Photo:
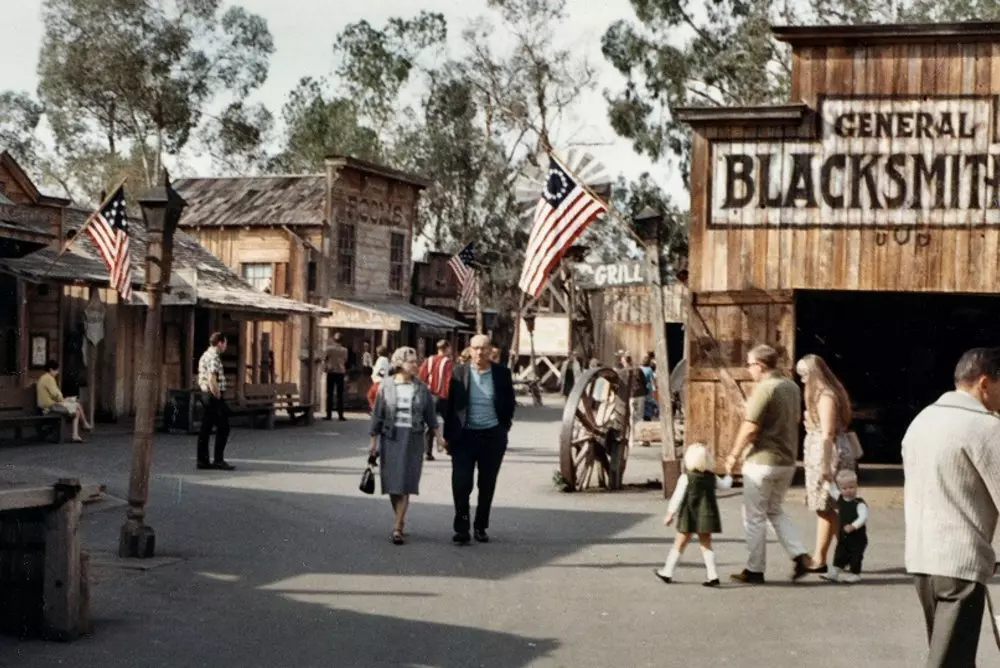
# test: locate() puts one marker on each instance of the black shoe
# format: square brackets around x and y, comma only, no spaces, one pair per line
[747,577]
[480,536]
[205,465]
[462,538]
[328,418]
[802,564]
[430,457]
[223,466]
[819,569]
[342,419]
[711,583]
[664,578]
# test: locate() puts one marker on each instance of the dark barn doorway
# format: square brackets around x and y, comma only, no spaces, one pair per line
[895,352]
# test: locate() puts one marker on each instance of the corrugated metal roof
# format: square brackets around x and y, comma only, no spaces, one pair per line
[217,284]
[406,312]
[265,200]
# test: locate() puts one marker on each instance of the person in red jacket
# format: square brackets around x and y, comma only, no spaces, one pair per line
[436,372]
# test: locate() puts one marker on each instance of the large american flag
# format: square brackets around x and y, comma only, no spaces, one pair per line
[562,214]
[463,264]
[108,228]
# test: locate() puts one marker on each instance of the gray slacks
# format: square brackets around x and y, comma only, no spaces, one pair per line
[953,611]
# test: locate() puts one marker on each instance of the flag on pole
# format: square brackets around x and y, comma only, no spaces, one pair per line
[108,229]
[564,211]
[463,264]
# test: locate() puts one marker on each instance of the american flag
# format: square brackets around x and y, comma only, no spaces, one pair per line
[108,229]
[468,282]
[562,214]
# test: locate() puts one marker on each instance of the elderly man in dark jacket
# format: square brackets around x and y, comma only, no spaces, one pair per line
[480,412]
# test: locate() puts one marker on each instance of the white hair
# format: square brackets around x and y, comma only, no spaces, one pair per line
[480,341]
[403,355]
[846,475]
[697,457]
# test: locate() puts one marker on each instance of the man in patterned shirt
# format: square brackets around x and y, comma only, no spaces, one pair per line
[212,383]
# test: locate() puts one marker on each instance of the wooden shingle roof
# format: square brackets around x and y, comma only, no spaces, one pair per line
[253,201]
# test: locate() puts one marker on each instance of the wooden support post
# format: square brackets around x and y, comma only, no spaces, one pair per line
[92,362]
[309,389]
[651,223]
[241,360]
[62,591]
[189,353]
[255,352]
[22,333]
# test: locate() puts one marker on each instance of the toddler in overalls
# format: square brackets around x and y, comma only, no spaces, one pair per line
[852,539]
[696,509]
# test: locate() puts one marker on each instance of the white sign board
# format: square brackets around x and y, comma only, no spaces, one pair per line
[345,316]
[551,336]
[930,162]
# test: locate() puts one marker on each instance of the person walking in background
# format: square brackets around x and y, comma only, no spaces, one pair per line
[951,468]
[569,373]
[367,360]
[212,383]
[382,365]
[481,406]
[697,511]
[335,364]
[635,384]
[403,414]
[770,432]
[827,450]
[50,399]
[650,408]
[436,373]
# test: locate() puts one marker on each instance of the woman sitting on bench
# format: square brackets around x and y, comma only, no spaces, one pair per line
[51,400]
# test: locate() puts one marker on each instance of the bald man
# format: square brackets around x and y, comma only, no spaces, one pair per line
[480,412]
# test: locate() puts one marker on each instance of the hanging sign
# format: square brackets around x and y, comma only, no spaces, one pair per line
[590,276]
[923,161]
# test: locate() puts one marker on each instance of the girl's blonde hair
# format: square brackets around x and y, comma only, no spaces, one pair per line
[697,457]
[846,475]
[820,379]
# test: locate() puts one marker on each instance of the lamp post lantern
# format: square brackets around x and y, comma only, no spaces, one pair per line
[649,224]
[161,211]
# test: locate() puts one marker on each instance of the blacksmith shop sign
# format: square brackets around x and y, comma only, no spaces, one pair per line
[597,276]
[900,161]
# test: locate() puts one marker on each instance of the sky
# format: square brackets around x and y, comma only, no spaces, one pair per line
[304,31]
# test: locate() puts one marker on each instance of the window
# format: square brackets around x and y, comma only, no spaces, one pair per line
[397,257]
[346,246]
[259,274]
[311,277]
[442,276]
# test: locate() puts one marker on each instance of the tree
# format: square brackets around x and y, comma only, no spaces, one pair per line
[19,118]
[137,78]
[731,57]
[317,125]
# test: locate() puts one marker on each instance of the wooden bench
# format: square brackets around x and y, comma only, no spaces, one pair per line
[258,402]
[287,398]
[19,409]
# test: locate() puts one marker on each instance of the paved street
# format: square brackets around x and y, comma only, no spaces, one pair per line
[285,563]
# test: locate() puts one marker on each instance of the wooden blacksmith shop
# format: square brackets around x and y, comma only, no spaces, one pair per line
[860,222]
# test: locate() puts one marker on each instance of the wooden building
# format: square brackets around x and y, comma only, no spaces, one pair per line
[64,295]
[435,288]
[860,222]
[341,239]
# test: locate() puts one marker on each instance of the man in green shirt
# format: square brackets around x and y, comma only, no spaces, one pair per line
[770,432]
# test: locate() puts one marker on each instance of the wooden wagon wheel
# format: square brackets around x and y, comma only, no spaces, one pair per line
[593,443]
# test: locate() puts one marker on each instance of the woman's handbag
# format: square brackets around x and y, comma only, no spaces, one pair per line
[856,448]
[368,478]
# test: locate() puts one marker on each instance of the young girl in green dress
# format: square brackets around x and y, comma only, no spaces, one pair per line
[697,512]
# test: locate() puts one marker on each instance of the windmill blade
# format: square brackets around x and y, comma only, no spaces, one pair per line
[531,180]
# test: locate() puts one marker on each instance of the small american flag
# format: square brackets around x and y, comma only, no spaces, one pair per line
[562,214]
[468,281]
[108,229]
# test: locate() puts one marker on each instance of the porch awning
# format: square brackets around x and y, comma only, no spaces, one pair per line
[388,315]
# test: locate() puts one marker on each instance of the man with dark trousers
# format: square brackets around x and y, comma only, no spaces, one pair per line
[212,383]
[480,412]
[335,364]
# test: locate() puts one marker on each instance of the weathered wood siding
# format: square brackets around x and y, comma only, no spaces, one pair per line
[949,248]
[624,318]
[721,331]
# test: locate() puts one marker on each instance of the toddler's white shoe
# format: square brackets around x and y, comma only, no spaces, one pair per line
[850,578]
[832,574]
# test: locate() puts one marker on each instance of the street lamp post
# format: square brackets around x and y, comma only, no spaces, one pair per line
[529,322]
[161,211]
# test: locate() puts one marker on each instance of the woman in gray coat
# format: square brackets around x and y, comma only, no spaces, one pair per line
[403,413]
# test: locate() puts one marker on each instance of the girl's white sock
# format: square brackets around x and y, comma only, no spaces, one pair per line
[672,559]
[709,556]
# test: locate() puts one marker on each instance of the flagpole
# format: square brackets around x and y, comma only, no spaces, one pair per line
[86,224]
[479,303]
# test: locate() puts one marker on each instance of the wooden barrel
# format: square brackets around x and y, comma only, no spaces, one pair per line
[22,571]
